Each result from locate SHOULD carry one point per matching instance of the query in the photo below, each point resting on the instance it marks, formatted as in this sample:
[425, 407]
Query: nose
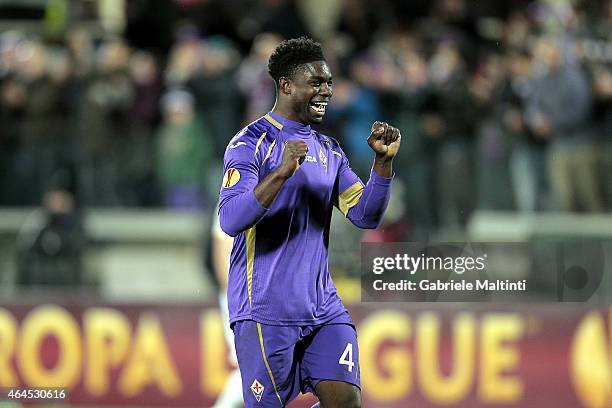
[326, 90]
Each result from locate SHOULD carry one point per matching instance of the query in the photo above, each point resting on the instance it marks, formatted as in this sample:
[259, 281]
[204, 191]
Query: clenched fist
[293, 156]
[384, 140]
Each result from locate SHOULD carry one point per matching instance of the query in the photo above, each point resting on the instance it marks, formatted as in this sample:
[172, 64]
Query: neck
[285, 111]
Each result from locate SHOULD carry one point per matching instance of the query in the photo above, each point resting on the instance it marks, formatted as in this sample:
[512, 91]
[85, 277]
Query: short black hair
[290, 54]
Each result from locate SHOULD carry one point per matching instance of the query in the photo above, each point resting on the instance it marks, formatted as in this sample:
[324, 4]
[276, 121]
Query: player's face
[312, 91]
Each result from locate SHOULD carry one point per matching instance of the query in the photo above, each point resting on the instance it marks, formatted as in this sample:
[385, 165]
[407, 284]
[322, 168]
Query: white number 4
[347, 357]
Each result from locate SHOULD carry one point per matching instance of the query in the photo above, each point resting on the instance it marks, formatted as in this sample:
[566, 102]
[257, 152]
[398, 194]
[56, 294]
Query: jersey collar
[296, 128]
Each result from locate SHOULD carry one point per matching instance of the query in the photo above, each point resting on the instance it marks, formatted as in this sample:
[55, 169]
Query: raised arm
[365, 205]
[244, 200]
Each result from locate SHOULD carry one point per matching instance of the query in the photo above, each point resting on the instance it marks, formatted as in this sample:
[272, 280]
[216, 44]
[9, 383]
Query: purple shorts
[278, 362]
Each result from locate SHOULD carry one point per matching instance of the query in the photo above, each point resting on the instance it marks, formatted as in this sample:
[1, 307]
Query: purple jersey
[278, 267]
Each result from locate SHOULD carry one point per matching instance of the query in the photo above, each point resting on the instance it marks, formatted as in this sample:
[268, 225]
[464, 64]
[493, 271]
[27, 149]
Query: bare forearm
[383, 166]
[267, 190]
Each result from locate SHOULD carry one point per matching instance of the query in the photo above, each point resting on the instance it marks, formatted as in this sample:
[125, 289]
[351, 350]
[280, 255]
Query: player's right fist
[293, 156]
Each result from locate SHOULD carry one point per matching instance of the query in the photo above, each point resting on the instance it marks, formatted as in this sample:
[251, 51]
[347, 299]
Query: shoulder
[248, 135]
[252, 139]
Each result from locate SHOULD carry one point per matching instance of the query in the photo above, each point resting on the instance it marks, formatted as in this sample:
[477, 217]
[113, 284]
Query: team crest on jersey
[323, 159]
[231, 177]
[257, 389]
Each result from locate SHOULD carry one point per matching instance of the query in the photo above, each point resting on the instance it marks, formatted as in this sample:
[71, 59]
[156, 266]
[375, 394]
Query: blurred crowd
[499, 112]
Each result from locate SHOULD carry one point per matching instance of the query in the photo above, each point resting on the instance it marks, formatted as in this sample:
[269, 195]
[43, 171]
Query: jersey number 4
[347, 357]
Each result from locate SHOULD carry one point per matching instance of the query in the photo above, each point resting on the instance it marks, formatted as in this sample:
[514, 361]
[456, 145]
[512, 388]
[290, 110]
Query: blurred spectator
[42, 124]
[137, 186]
[10, 42]
[52, 242]
[282, 17]
[358, 20]
[82, 53]
[145, 77]
[528, 157]
[183, 62]
[12, 101]
[488, 89]
[354, 110]
[111, 14]
[406, 97]
[103, 124]
[216, 93]
[457, 113]
[321, 16]
[82, 62]
[517, 31]
[62, 146]
[253, 78]
[602, 125]
[183, 149]
[558, 109]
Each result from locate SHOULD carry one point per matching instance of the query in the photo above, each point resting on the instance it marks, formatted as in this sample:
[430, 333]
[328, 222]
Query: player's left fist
[384, 140]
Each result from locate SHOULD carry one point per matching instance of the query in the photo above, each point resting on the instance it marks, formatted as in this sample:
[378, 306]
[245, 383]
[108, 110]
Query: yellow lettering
[150, 362]
[395, 380]
[456, 386]
[56, 322]
[213, 364]
[8, 340]
[498, 356]
[108, 341]
[591, 364]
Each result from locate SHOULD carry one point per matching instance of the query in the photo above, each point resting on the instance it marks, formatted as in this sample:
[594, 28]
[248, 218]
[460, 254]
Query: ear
[285, 85]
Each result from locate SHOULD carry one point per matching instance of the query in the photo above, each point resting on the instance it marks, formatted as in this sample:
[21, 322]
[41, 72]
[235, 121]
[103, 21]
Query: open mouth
[318, 108]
